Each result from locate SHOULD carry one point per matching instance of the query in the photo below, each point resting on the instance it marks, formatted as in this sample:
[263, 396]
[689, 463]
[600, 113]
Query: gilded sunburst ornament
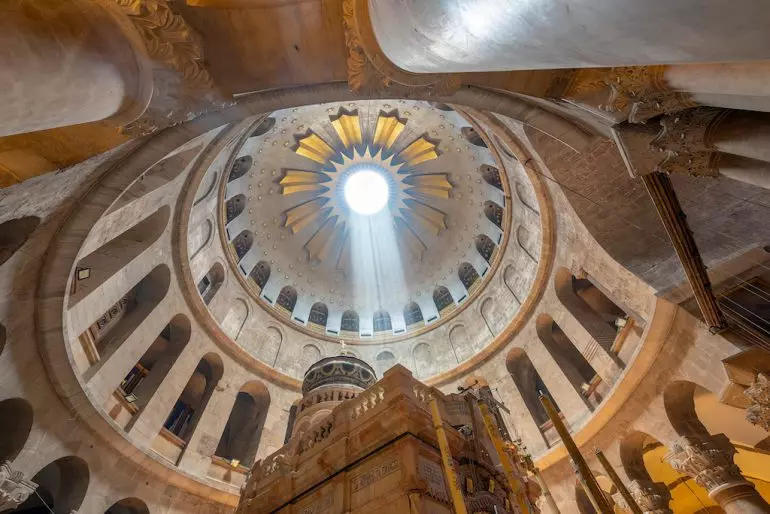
[320, 188]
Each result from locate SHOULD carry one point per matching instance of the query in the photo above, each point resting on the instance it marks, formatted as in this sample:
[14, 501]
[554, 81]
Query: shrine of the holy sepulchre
[384, 256]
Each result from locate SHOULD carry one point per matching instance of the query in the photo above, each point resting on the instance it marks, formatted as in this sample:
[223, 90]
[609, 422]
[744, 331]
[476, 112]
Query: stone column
[652, 497]
[709, 461]
[14, 489]
[65, 63]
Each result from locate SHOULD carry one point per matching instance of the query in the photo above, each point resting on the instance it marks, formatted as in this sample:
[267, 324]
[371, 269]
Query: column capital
[14, 489]
[708, 460]
[652, 497]
[758, 392]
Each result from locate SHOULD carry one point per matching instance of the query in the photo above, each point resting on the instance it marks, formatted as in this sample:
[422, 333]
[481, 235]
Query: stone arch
[381, 322]
[15, 425]
[494, 213]
[234, 207]
[350, 322]
[413, 315]
[524, 240]
[523, 195]
[491, 176]
[96, 268]
[443, 300]
[384, 361]
[458, 338]
[264, 127]
[509, 280]
[424, 363]
[260, 274]
[633, 446]
[195, 396]
[14, 233]
[319, 315]
[209, 285]
[206, 188]
[473, 137]
[242, 243]
[128, 506]
[576, 368]
[241, 166]
[468, 276]
[287, 300]
[235, 319]
[62, 487]
[201, 237]
[530, 385]
[310, 355]
[486, 306]
[485, 246]
[243, 432]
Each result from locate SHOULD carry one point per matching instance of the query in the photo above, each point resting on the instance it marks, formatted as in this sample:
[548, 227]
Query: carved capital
[758, 392]
[620, 501]
[371, 72]
[636, 92]
[14, 489]
[652, 497]
[708, 460]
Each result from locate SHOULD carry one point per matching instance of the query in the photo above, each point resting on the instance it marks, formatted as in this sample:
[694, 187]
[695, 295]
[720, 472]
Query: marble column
[709, 461]
[14, 489]
[652, 497]
[65, 63]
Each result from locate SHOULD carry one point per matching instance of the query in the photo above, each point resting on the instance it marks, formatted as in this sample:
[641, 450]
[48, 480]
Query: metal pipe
[446, 459]
[624, 492]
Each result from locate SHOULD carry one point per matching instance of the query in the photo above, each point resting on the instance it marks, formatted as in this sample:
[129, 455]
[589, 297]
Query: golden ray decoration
[304, 214]
[312, 146]
[327, 241]
[389, 127]
[300, 181]
[348, 127]
[419, 151]
[433, 184]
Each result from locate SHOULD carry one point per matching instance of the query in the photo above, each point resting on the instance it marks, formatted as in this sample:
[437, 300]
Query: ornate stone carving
[638, 91]
[652, 497]
[370, 71]
[758, 392]
[708, 460]
[620, 501]
[182, 87]
[14, 489]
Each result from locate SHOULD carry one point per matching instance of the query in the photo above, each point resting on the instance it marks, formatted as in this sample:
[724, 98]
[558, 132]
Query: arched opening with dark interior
[128, 506]
[443, 300]
[287, 300]
[469, 277]
[494, 213]
[243, 431]
[264, 127]
[441, 106]
[211, 282]
[260, 274]
[413, 315]
[577, 369]
[473, 137]
[241, 166]
[62, 486]
[319, 315]
[234, 207]
[141, 383]
[14, 233]
[181, 421]
[381, 322]
[485, 246]
[350, 323]
[530, 385]
[491, 176]
[242, 243]
[15, 426]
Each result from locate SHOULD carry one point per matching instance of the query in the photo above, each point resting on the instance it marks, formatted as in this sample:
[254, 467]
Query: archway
[211, 282]
[62, 486]
[15, 426]
[243, 431]
[14, 233]
[128, 506]
[530, 385]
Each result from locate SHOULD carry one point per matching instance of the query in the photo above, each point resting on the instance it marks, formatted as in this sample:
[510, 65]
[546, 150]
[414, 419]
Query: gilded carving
[709, 461]
[652, 497]
[758, 392]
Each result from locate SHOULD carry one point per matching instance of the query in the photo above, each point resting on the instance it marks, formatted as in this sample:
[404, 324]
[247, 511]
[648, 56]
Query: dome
[339, 370]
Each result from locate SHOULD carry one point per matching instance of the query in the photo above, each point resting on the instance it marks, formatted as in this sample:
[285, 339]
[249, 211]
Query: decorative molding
[652, 497]
[758, 413]
[182, 87]
[371, 72]
[639, 93]
[708, 460]
[14, 489]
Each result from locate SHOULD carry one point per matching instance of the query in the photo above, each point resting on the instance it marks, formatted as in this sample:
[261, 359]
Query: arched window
[441, 106]
[319, 314]
[468, 276]
[260, 274]
[494, 213]
[424, 362]
[491, 176]
[485, 246]
[523, 195]
[211, 282]
[382, 321]
[384, 361]
[194, 398]
[264, 127]
[530, 386]
[443, 300]
[62, 487]
[128, 506]
[233, 207]
[287, 299]
[349, 322]
[241, 166]
[242, 243]
[14, 233]
[524, 239]
[473, 137]
[15, 426]
[243, 431]
[413, 315]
